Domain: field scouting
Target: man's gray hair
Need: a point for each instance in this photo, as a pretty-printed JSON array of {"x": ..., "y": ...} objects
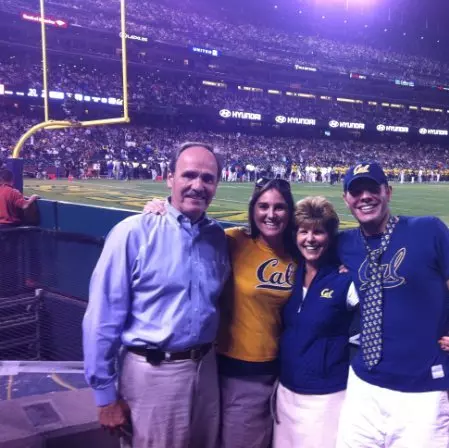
[{"x": 187, "y": 145}]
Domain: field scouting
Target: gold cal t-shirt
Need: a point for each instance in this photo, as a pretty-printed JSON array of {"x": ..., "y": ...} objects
[{"x": 252, "y": 300}]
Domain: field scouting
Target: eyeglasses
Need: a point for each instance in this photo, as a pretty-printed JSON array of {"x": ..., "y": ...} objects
[{"x": 278, "y": 183}]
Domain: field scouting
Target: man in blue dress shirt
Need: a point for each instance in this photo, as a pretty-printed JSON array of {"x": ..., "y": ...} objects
[
  {"x": 152, "y": 315},
  {"x": 397, "y": 388}
]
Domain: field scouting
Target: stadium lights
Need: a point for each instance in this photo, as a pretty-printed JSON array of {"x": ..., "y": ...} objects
[
  {"x": 346, "y": 3},
  {"x": 358, "y": 3}
]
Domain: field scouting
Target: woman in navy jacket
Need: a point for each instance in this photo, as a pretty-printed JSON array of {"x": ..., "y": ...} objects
[{"x": 314, "y": 347}]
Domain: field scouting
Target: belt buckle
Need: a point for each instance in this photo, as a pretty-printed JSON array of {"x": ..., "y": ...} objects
[
  {"x": 154, "y": 357},
  {"x": 195, "y": 354}
]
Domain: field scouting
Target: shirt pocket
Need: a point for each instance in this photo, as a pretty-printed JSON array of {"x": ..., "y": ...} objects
[{"x": 212, "y": 275}]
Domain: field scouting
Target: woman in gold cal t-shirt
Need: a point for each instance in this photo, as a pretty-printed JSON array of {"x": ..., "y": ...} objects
[{"x": 263, "y": 270}]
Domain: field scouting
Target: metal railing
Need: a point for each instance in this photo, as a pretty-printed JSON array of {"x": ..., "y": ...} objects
[{"x": 44, "y": 278}]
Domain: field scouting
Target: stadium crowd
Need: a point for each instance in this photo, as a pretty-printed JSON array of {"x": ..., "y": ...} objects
[
  {"x": 75, "y": 151},
  {"x": 164, "y": 89},
  {"x": 302, "y": 340},
  {"x": 185, "y": 107},
  {"x": 180, "y": 25}
]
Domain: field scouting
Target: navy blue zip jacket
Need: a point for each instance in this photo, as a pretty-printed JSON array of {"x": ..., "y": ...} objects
[{"x": 314, "y": 347}]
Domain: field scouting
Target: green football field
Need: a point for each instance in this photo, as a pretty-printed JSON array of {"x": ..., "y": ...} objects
[{"x": 232, "y": 199}]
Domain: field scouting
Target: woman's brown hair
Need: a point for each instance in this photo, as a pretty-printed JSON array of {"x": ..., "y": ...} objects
[
  {"x": 284, "y": 190},
  {"x": 314, "y": 211}
]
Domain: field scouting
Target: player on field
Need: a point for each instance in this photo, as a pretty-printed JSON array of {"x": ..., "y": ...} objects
[{"x": 397, "y": 388}]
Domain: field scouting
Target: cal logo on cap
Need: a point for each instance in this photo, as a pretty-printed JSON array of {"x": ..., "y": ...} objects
[
  {"x": 361, "y": 169},
  {"x": 327, "y": 293}
]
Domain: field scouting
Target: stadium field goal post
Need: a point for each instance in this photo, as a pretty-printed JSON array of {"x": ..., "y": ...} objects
[{"x": 49, "y": 124}]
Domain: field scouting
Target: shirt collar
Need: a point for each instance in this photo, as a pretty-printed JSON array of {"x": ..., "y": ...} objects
[{"x": 204, "y": 220}]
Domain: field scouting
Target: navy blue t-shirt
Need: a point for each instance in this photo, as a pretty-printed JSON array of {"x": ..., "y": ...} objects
[{"x": 416, "y": 303}]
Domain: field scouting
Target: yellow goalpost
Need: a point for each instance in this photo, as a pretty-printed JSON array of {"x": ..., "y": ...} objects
[{"x": 62, "y": 124}]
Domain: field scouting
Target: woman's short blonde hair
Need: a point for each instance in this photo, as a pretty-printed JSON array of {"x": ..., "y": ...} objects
[{"x": 315, "y": 211}]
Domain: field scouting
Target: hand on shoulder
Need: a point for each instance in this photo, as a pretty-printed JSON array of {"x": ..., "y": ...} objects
[{"x": 155, "y": 207}]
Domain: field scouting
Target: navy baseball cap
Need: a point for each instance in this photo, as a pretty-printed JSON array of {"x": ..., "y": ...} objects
[{"x": 371, "y": 171}]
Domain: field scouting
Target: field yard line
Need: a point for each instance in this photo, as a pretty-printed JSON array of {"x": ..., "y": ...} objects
[
  {"x": 236, "y": 185},
  {"x": 421, "y": 194},
  {"x": 140, "y": 187},
  {"x": 116, "y": 187},
  {"x": 397, "y": 205},
  {"x": 129, "y": 188},
  {"x": 142, "y": 190},
  {"x": 228, "y": 185},
  {"x": 231, "y": 200}
]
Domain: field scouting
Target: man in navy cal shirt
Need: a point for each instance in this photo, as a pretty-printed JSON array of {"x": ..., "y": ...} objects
[{"x": 397, "y": 388}]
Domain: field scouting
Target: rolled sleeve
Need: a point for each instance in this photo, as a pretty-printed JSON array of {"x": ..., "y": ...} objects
[
  {"x": 18, "y": 200},
  {"x": 107, "y": 311}
]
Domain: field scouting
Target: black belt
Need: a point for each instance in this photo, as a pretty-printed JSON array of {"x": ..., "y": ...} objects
[{"x": 154, "y": 356}]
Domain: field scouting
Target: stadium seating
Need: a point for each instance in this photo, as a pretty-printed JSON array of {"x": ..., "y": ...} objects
[
  {"x": 183, "y": 26},
  {"x": 152, "y": 146}
]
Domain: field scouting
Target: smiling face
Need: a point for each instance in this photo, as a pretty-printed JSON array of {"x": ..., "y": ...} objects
[
  {"x": 313, "y": 242},
  {"x": 271, "y": 216},
  {"x": 194, "y": 182},
  {"x": 369, "y": 203}
]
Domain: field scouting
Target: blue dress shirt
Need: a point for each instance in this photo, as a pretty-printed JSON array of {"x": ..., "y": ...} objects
[{"x": 156, "y": 284}]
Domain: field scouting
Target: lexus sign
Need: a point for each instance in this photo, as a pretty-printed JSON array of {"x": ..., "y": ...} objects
[{"x": 134, "y": 37}]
